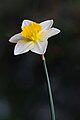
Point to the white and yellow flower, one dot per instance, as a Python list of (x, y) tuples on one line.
[(33, 37)]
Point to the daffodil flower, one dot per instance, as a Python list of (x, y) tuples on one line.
[(34, 37)]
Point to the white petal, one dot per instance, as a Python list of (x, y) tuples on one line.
[(26, 23), (51, 32), (40, 47), (46, 24), (22, 46), (16, 38)]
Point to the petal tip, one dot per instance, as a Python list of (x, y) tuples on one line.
[(58, 31), (9, 40), (15, 53), (52, 20), (25, 22), (15, 38)]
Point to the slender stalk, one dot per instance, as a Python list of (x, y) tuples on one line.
[(49, 89)]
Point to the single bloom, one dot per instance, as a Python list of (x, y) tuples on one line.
[(34, 37)]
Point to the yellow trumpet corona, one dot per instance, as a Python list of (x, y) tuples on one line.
[(32, 32)]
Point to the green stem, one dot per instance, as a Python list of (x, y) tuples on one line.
[(49, 89)]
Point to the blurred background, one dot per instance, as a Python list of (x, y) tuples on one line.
[(23, 91)]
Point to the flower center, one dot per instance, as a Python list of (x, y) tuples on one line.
[(32, 32)]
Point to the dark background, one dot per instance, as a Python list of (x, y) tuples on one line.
[(23, 91)]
